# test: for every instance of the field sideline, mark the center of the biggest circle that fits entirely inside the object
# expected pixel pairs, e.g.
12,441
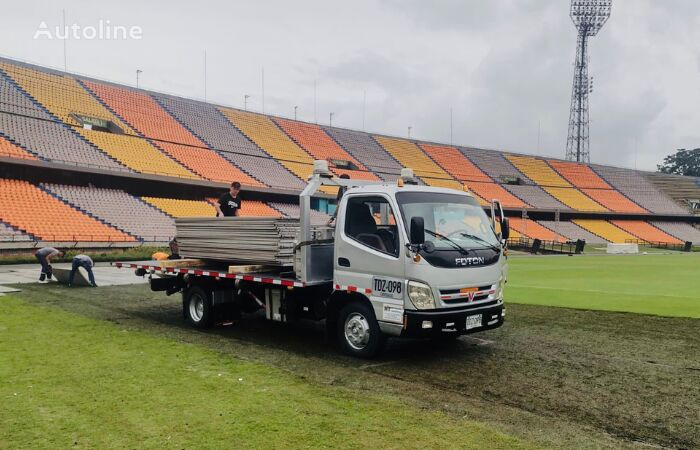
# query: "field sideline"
658,284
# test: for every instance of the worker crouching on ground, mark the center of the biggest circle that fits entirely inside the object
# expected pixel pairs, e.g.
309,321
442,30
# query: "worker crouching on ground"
44,255
229,204
86,263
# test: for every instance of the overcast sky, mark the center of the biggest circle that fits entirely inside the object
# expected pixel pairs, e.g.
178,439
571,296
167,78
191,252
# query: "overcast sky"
504,66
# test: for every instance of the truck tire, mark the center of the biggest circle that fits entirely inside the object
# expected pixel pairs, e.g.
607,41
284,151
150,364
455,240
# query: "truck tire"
198,308
358,331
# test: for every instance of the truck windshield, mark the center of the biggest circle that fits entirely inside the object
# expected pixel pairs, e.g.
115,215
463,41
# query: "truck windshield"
449,219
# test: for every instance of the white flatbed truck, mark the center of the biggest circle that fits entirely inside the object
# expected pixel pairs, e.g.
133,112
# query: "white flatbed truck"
404,261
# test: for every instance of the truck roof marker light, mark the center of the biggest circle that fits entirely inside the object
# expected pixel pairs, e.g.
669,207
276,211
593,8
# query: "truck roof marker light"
399,182
465,187
416,258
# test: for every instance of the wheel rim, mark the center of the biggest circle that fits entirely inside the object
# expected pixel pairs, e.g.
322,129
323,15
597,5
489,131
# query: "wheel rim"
196,307
357,331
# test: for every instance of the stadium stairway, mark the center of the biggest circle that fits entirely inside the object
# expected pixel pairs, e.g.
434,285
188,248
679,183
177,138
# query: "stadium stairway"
319,145
152,122
410,155
49,218
210,126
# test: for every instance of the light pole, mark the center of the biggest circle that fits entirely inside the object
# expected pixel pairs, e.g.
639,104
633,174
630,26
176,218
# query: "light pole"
330,119
138,72
409,131
245,102
295,111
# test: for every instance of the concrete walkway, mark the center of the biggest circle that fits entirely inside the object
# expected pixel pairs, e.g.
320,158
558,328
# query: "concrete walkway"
105,275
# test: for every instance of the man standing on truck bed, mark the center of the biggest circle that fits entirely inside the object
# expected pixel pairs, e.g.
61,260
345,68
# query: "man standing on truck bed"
229,204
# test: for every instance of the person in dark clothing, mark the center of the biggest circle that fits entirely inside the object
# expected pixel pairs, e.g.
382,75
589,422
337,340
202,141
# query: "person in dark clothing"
229,204
44,256
86,263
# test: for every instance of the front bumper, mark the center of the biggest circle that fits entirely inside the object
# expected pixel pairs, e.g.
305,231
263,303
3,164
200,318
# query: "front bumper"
452,321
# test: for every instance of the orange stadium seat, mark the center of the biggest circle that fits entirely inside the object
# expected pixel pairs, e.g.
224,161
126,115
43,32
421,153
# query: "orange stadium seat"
321,146
580,175
534,230
614,201
410,155
10,150
34,211
457,165
153,122
645,231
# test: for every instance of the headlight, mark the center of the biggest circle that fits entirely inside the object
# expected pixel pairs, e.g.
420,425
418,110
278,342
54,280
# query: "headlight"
421,295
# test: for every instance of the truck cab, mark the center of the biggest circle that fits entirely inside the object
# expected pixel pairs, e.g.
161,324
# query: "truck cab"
414,261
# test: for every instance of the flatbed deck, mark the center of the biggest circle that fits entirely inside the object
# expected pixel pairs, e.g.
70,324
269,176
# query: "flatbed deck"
220,273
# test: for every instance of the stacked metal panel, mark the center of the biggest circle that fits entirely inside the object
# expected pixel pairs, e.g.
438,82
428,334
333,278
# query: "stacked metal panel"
248,240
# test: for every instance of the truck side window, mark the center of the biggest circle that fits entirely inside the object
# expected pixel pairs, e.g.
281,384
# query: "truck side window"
371,221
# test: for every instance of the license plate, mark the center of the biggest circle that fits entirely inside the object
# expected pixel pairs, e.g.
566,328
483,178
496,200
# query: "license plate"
388,287
473,321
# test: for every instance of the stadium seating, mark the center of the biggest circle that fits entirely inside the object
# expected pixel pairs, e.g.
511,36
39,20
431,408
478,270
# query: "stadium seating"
605,230
321,146
572,232
10,150
530,228
538,171
210,126
10,234
683,231
495,165
535,196
457,165
633,185
265,133
153,122
292,210
614,201
119,209
175,207
679,188
410,155
28,125
646,232
366,150
32,210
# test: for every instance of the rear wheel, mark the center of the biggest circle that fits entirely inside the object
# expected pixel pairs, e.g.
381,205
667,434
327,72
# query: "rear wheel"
198,308
358,331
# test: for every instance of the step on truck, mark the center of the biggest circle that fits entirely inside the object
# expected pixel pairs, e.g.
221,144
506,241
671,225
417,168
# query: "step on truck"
400,260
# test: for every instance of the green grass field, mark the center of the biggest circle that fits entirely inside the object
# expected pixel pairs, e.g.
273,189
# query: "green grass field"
665,285
74,382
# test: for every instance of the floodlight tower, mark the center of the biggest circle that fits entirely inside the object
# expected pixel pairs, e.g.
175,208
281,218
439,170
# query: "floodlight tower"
588,16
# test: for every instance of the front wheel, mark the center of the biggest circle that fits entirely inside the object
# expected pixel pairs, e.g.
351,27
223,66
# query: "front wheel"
358,331
198,307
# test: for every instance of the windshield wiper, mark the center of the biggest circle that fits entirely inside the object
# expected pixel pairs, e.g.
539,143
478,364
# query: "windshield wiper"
454,244
478,239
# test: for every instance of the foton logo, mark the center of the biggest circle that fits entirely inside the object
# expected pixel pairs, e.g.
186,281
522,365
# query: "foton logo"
474,261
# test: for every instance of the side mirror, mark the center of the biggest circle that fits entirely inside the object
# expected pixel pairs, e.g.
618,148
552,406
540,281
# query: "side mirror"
505,228
417,230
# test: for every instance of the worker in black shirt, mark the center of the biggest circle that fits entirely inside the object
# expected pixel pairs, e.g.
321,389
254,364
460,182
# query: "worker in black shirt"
229,204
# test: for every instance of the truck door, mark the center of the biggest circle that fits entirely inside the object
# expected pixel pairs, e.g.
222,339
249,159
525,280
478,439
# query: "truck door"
368,253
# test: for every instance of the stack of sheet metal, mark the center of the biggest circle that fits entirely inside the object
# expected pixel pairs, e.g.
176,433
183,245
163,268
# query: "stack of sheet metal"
248,240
